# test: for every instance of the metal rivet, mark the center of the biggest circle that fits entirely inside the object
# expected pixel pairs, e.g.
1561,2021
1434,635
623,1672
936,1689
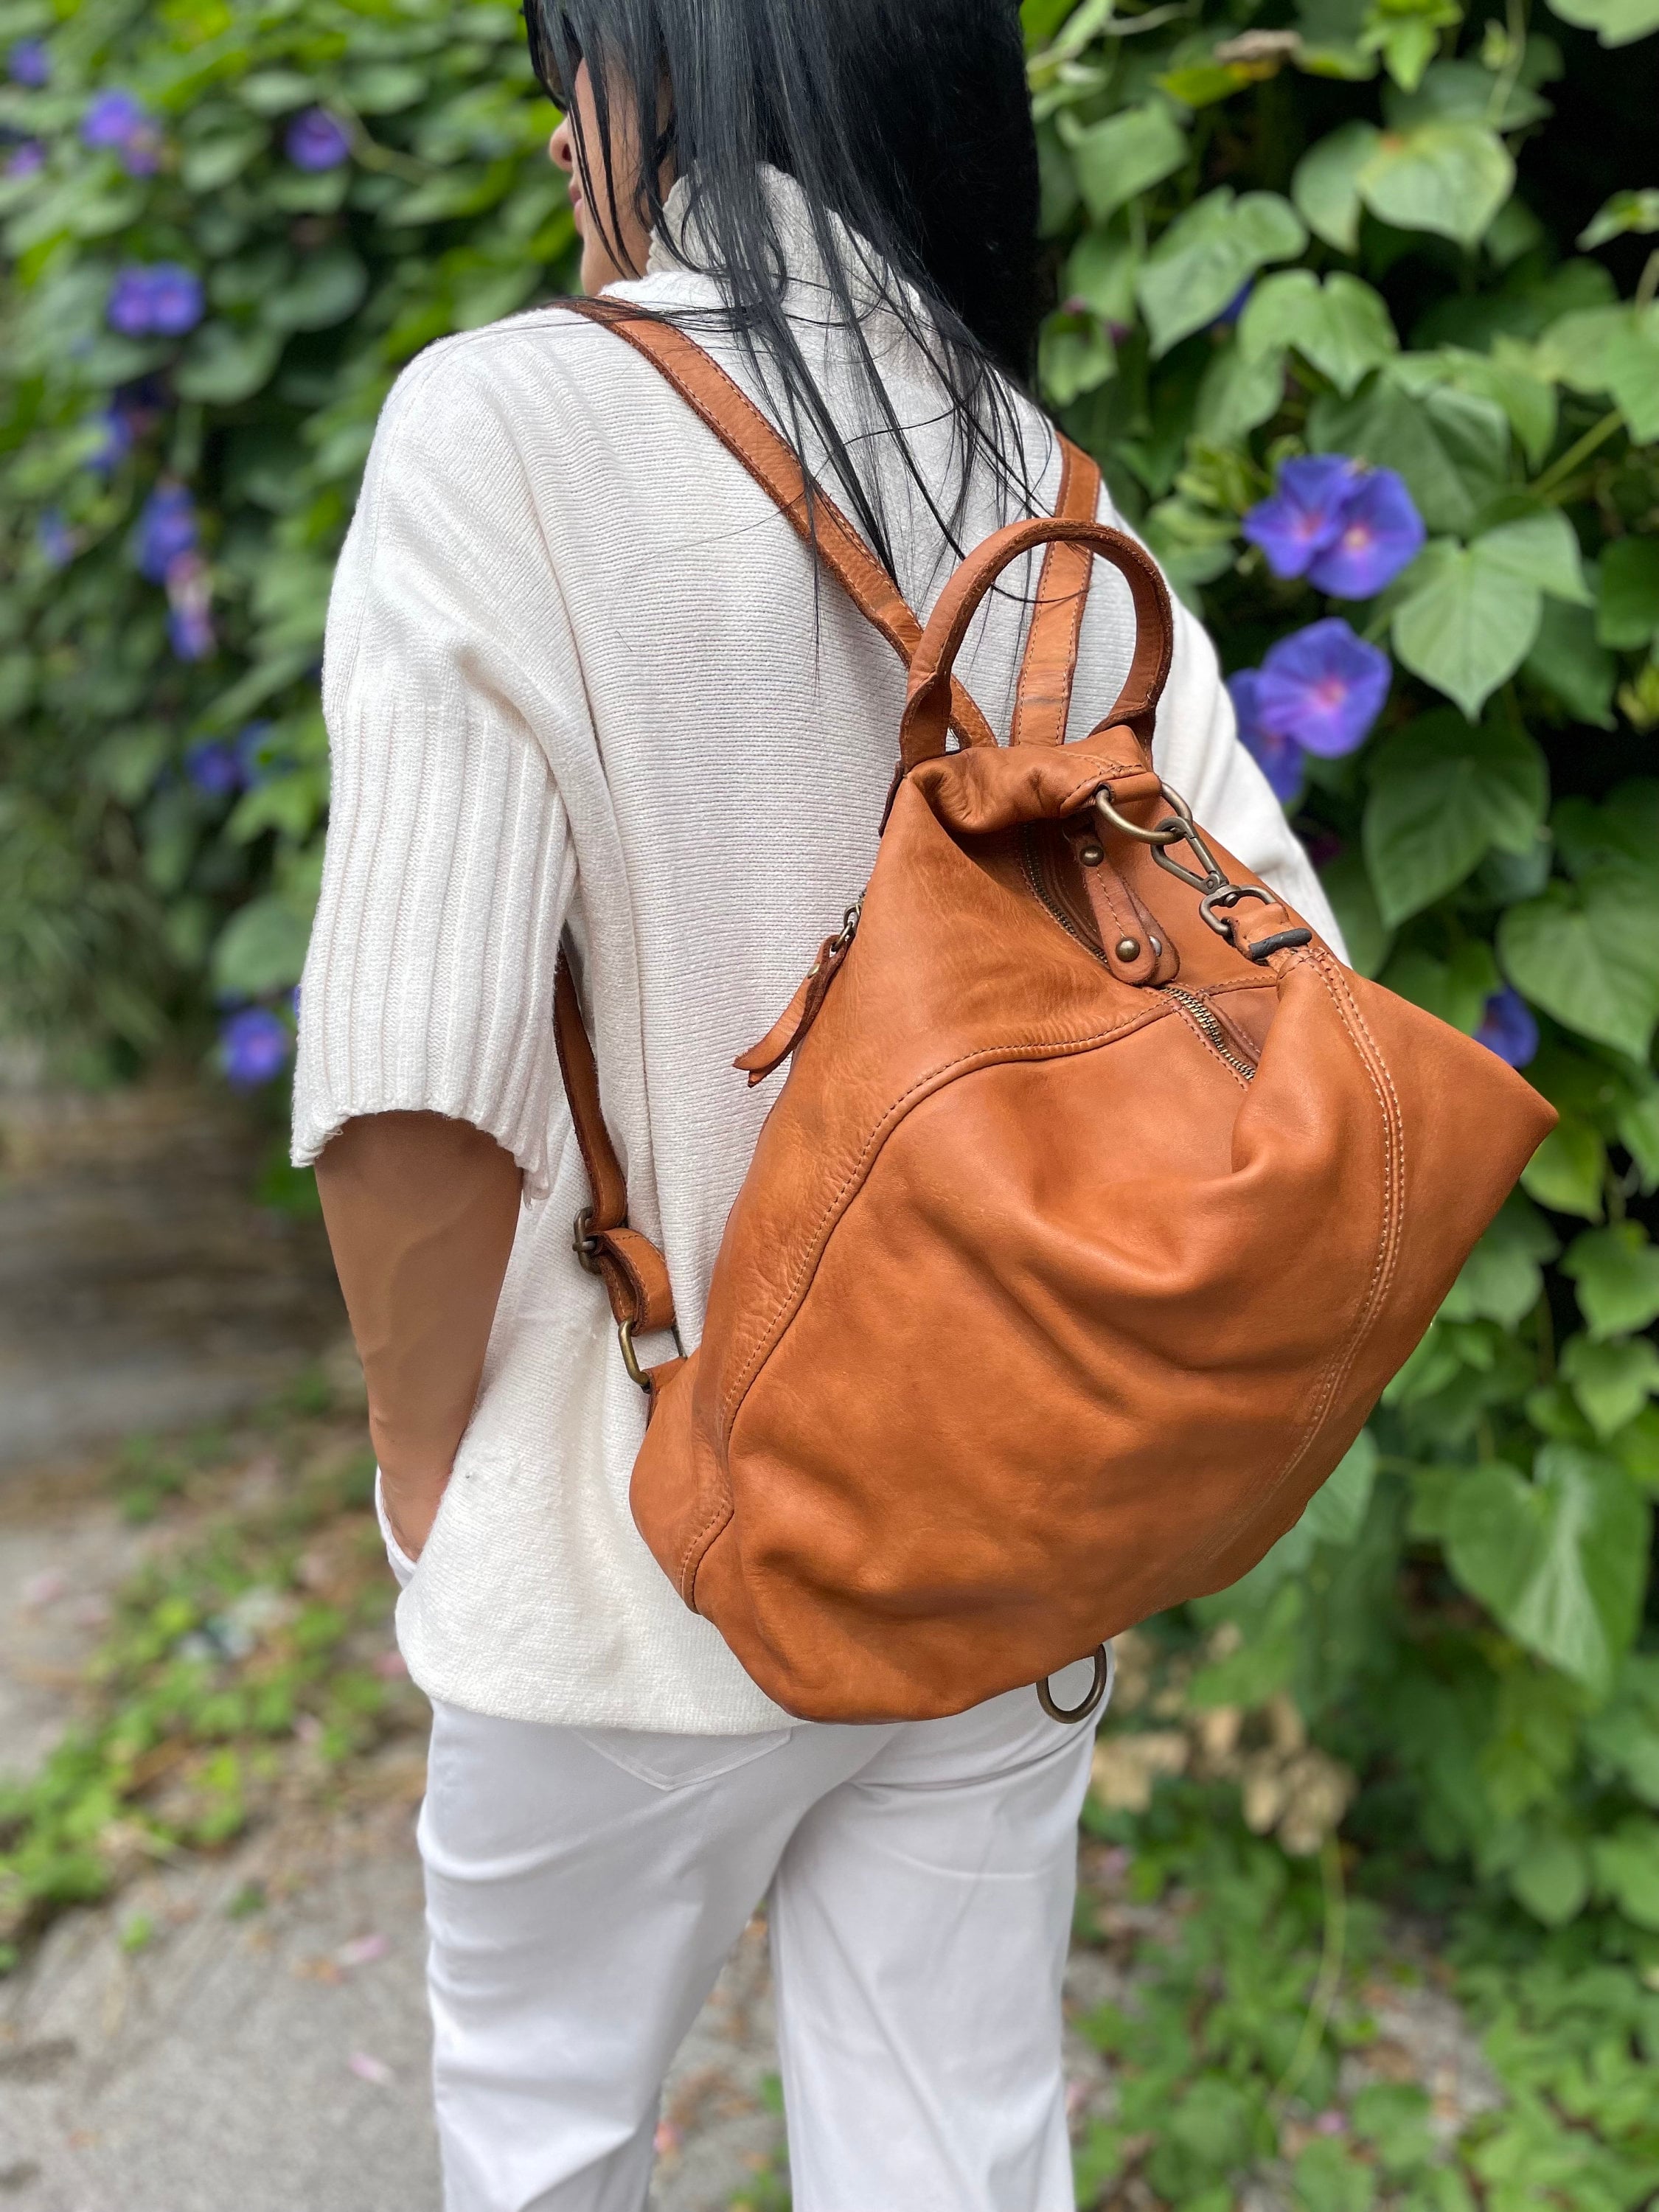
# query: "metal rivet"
1128,948
1157,949
1091,855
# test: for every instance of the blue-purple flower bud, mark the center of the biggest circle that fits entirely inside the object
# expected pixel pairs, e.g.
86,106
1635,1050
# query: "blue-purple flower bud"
254,1047
317,140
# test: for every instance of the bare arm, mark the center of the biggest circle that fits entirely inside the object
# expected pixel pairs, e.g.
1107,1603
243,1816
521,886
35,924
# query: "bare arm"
421,1214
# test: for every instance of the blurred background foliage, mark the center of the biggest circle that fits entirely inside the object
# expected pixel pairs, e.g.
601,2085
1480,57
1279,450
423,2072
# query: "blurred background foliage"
225,230
1358,308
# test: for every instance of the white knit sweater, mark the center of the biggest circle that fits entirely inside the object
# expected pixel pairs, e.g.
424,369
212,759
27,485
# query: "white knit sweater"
573,679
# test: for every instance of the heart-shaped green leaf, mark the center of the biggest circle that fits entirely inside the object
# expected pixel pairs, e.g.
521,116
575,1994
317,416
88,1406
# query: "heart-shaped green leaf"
1447,177
1207,254
1467,625
1588,954
1611,1381
1443,792
1617,1272
1451,447
1341,326
1560,1560
1616,22
1118,160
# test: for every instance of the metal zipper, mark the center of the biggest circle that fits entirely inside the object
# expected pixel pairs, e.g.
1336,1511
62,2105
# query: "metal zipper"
1215,1035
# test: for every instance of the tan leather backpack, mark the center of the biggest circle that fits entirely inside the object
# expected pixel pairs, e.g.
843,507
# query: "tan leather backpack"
1099,1205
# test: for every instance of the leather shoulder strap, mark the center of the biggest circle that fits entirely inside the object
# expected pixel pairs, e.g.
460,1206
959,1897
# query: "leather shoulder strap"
741,428
1044,702
635,1273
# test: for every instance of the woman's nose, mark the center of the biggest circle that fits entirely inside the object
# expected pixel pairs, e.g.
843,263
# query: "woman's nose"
558,148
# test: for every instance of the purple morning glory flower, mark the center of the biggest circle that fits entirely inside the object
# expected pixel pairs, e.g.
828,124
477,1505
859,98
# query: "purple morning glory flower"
156,299
213,768
254,1046
176,299
317,140
120,123
29,63
1508,1028
1324,687
1380,533
167,530
27,160
1305,512
54,539
1279,757
127,307
113,118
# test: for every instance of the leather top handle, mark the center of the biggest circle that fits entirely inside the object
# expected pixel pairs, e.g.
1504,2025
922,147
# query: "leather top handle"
923,730
1044,700
738,424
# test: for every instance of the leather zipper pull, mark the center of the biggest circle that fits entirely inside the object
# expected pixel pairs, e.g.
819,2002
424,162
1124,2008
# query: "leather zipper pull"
799,1016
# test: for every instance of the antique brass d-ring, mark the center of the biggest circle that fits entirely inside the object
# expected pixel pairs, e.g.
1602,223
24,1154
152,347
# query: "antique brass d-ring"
1097,1689
631,1358
1165,833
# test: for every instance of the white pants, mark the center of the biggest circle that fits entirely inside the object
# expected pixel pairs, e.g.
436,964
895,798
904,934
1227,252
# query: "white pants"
584,1887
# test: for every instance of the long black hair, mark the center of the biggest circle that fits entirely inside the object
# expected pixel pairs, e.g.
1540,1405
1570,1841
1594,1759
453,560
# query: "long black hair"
906,124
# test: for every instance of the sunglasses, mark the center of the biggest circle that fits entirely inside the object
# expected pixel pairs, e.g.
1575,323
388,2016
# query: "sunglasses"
550,74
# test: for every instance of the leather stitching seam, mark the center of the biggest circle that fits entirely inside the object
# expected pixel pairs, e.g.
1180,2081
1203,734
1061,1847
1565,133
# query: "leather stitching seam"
1342,1362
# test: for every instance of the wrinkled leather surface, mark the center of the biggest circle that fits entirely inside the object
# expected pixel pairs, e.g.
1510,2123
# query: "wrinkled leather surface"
1033,1316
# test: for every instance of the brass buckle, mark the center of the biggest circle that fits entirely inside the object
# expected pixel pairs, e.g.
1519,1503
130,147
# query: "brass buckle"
1097,1690
631,1358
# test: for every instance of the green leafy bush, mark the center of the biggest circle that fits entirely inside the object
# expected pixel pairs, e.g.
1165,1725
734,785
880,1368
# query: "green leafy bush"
1358,311
1349,230
325,188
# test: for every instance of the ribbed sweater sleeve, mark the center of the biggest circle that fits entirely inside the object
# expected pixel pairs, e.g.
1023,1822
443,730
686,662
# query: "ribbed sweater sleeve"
429,985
